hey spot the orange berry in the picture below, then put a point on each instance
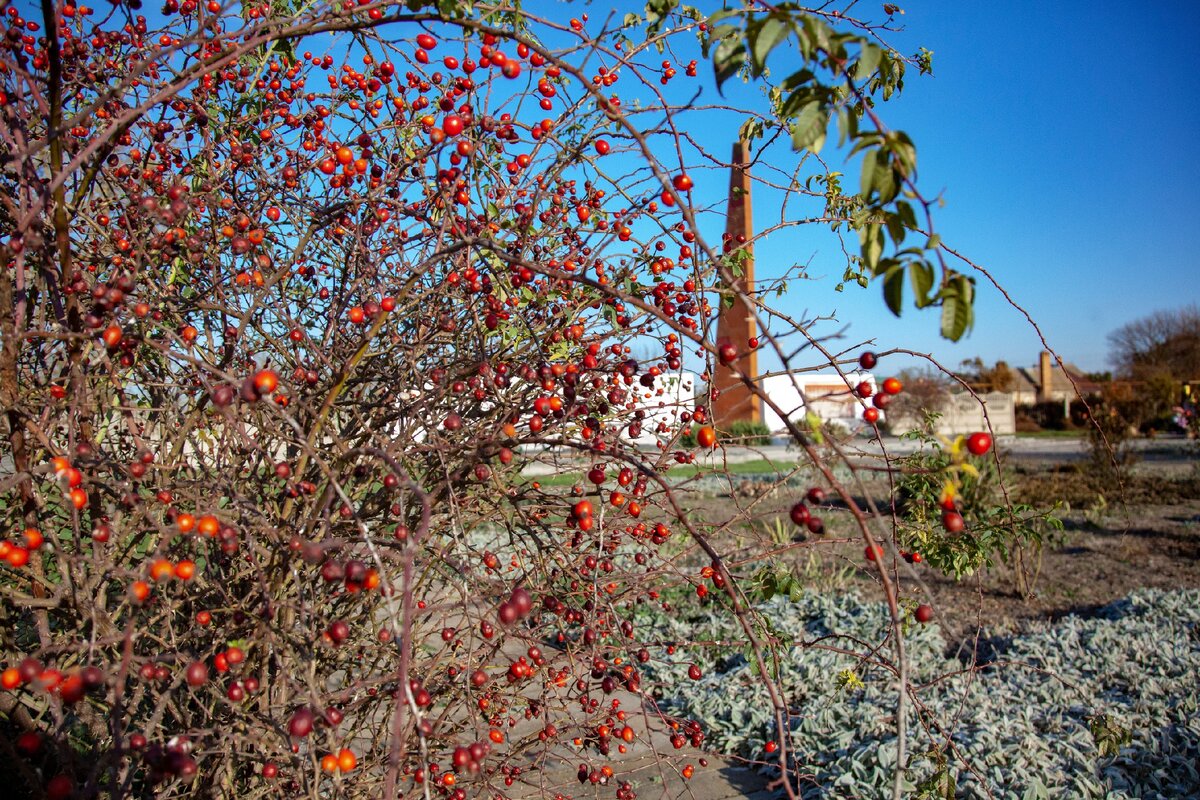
(140, 591)
(33, 538)
(18, 557)
(79, 498)
(185, 570)
(161, 570)
(185, 523)
(208, 525)
(706, 437)
(266, 381)
(329, 763)
(346, 760)
(10, 678)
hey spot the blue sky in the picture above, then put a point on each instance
(1063, 137)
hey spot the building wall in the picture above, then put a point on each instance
(964, 414)
(829, 397)
(672, 394)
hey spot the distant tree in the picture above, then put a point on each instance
(1165, 344)
(925, 390)
(1157, 351)
(982, 378)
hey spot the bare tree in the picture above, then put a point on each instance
(1165, 344)
(996, 378)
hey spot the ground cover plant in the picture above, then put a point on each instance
(292, 295)
(1085, 707)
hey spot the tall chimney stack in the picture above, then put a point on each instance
(1045, 378)
(737, 323)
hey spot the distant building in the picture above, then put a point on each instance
(1048, 382)
(829, 396)
(964, 413)
(672, 394)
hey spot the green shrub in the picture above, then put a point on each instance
(741, 432)
(750, 434)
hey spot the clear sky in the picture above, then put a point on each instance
(1064, 136)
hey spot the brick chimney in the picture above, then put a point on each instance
(1045, 378)
(737, 323)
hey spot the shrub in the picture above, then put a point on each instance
(1046, 416)
(749, 434)
(292, 295)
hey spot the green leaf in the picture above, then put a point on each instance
(871, 236)
(895, 228)
(847, 126)
(867, 62)
(867, 180)
(729, 57)
(893, 289)
(764, 39)
(904, 150)
(808, 131)
(885, 179)
(957, 312)
(751, 129)
(920, 274)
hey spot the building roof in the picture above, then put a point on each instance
(1028, 379)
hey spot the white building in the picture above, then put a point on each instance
(829, 396)
(671, 395)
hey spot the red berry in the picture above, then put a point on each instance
(197, 673)
(979, 443)
(727, 353)
(301, 723)
(924, 613)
